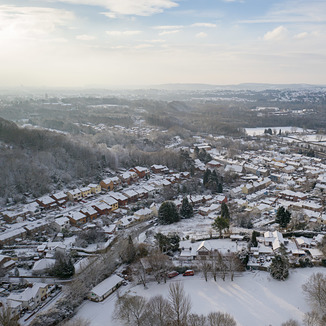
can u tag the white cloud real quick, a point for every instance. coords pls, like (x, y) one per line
(143, 46)
(129, 7)
(203, 25)
(277, 34)
(31, 22)
(85, 37)
(201, 35)
(157, 41)
(301, 35)
(294, 11)
(122, 33)
(169, 32)
(165, 27)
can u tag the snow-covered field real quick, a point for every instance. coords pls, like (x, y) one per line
(260, 130)
(253, 299)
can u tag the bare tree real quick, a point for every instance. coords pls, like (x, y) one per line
(312, 318)
(160, 265)
(180, 304)
(140, 272)
(221, 263)
(158, 312)
(196, 320)
(7, 318)
(220, 319)
(233, 264)
(290, 322)
(77, 322)
(204, 265)
(315, 291)
(130, 310)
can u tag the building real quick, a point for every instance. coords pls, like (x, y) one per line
(105, 288)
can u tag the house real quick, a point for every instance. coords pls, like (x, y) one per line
(107, 184)
(77, 218)
(122, 200)
(105, 288)
(61, 223)
(131, 195)
(110, 201)
(60, 198)
(12, 236)
(35, 227)
(74, 195)
(111, 229)
(213, 164)
(31, 297)
(129, 177)
(95, 188)
(12, 216)
(156, 168)
(274, 239)
(85, 191)
(204, 249)
(150, 190)
(102, 208)
(90, 212)
(292, 195)
(144, 214)
(46, 202)
(43, 265)
(6, 263)
(205, 211)
(141, 171)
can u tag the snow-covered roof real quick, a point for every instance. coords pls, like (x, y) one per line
(106, 285)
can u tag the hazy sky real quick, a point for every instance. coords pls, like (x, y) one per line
(141, 42)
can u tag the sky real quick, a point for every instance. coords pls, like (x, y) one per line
(120, 43)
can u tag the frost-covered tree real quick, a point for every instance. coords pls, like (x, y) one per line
(315, 291)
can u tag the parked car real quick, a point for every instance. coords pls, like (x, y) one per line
(189, 272)
(173, 274)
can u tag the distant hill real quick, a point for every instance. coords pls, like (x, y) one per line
(243, 86)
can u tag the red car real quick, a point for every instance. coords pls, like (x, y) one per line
(189, 272)
(173, 274)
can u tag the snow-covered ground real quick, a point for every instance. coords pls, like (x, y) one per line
(253, 299)
(260, 130)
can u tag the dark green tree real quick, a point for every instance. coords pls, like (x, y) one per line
(279, 268)
(254, 236)
(206, 177)
(186, 210)
(225, 211)
(220, 223)
(168, 213)
(283, 217)
(63, 267)
(167, 243)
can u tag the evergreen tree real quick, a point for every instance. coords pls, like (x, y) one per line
(196, 152)
(279, 268)
(63, 267)
(220, 188)
(206, 177)
(254, 236)
(225, 211)
(283, 217)
(168, 213)
(167, 243)
(186, 210)
(220, 223)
